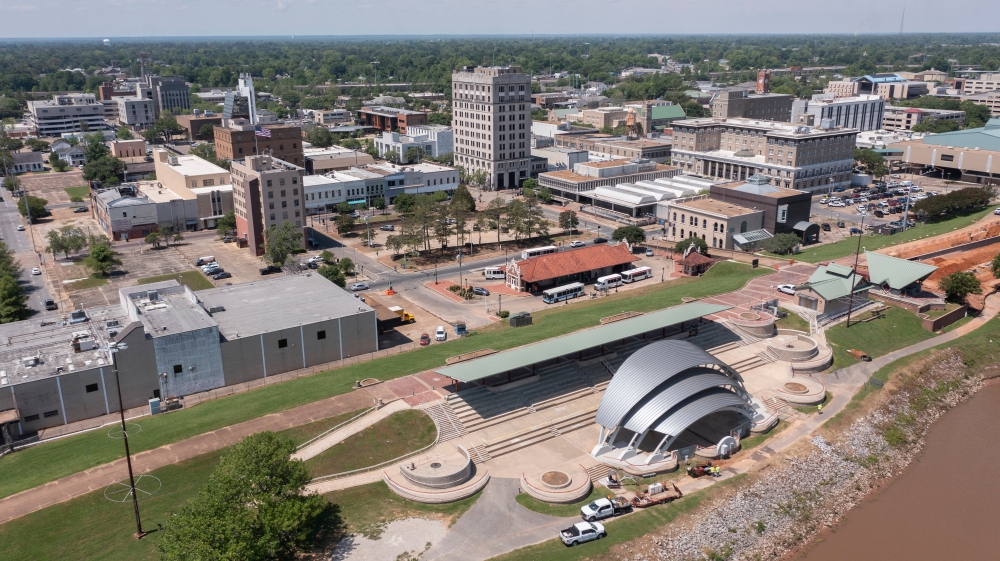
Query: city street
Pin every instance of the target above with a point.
(20, 243)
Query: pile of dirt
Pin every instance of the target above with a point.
(979, 231)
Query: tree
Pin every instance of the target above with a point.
(102, 259)
(405, 203)
(392, 156)
(631, 234)
(66, 240)
(394, 243)
(951, 204)
(936, 126)
(227, 224)
(414, 154)
(8, 263)
(280, 240)
(333, 274)
(379, 204)
(345, 223)
(207, 132)
(13, 300)
(207, 152)
(124, 133)
(568, 220)
(178, 237)
(254, 508)
(57, 163)
(105, 169)
(528, 187)
(36, 204)
(346, 266)
(462, 200)
(960, 284)
(495, 210)
(781, 244)
(994, 266)
(94, 147)
(320, 137)
(350, 143)
(681, 246)
(544, 194)
(872, 161)
(154, 238)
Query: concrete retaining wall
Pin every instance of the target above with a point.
(795, 355)
(443, 481)
(939, 323)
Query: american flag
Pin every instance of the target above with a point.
(261, 131)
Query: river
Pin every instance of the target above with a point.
(945, 505)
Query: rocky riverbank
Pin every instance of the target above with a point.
(781, 507)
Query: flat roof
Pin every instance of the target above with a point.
(715, 207)
(193, 165)
(527, 355)
(287, 301)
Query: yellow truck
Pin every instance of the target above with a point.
(407, 317)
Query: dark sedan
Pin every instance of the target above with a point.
(222, 275)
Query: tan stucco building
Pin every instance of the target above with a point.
(714, 221)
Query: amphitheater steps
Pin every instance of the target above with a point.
(775, 403)
(768, 356)
(598, 472)
(479, 453)
(449, 427)
(535, 435)
(747, 364)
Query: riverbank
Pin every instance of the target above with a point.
(797, 495)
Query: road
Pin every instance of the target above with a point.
(20, 243)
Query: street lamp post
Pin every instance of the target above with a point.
(113, 349)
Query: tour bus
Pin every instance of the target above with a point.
(637, 274)
(494, 273)
(538, 251)
(564, 292)
(607, 282)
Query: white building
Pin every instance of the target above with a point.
(135, 111)
(67, 113)
(862, 112)
(492, 120)
(425, 177)
(442, 137)
(905, 118)
(324, 192)
(434, 141)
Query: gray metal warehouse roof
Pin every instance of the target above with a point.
(568, 344)
(646, 369)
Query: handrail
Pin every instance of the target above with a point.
(328, 431)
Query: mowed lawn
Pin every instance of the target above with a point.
(83, 192)
(396, 435)
(35, 466)
(899, 328)
(192, 279)
(875, 242)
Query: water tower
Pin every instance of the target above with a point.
(107, 42)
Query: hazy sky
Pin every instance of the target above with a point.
(150, 18)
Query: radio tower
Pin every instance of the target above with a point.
(143, 58)
(903, 17)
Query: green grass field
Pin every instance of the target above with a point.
(192, 279)
(83, 192)
(89, 282)
(792, 321)
(573, 509)
(398, 434)
(899, 328)
(53, 460)
(874, 242)
(303, 433)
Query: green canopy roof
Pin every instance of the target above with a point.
(575, 342)
(897, 273)
(834, 281)
(667, 112)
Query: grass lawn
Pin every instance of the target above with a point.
(398, 434)
(89, 282)
(873, 242)
(752, 442)
(899, 328)
(621, 529)
(948, 308)
(40, 464)
(368, 508)
(810, 409)
(83, 192)
(192, 279)
(573, 509)
(303, 433)
(958, 323)
(792, 321)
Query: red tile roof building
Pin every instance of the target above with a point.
(572, 265)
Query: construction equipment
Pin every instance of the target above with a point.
(403, 314)
(860, 355)
(658, 493)
(699, 470)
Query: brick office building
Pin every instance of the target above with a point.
(390, 118)
(238, 141)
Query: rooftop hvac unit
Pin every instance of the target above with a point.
(153, 295)
(172, 160)
(30, 361)
(827, 124)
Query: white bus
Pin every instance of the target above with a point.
(494, 273)
(607, 282)
(564, 292)
(534, 252)
(637, 274)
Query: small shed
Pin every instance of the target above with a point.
(695, 264)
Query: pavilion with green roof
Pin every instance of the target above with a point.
(897, 276)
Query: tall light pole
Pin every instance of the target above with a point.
(113, 349)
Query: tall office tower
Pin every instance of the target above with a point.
(492, 122)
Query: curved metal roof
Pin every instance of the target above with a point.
(711, 401)
(675, 392)
(645, 370)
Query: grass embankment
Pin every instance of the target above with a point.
(303, 433)
(899, 328)
(751, 442)
(83, 192)
(873, 242)
(792, 321)
(41, 464)
(390, 438)
(572, 509)
(810, 409)
(192, 279)
(89, 282)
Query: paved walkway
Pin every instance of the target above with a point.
(316, 448)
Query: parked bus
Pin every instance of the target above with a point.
(637, 274)
(565, 292)
(607, 282)
(534, 252)
(494, 273)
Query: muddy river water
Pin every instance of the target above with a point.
(946, 504)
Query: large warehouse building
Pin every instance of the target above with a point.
(177, 343)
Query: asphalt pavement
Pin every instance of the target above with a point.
(20, 243)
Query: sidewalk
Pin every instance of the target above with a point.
(332, 439)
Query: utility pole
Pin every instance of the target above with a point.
(113, 349)
(854, 275)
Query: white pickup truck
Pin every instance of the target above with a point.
(582, 532)
(605, 508)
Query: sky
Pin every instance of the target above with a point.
(208, 18)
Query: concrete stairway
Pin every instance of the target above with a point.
(598, 472)
(775, 403)
(541, 433)
(448, 425)
(747, 364)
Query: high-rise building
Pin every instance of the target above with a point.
(239, 139)
(862, 112)
(739, 103)
(492, 122)
(67, 114)
(266, 192)
(169, 93)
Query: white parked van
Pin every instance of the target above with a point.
(610, 281)
(494, 273)
(204, 260)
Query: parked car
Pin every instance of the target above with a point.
(600, 240)
(440, 334)
(204, 261)
(270, 270)
(20, 228)
(359, 286)
(80, 209)
(996, 211)
(895, 176)
(222, 275)
(425, 339)
(311, 265)
(578, 243)
(855, 231)
(208, 266)
(36, 271)
(825, 226)
(50, 304)
(480, 291)
(582, 532)
(315, 259)
(228, 239)
(840, 224)
(649, 252)
(214, 271)
(838, 189)
(387, 228)
(786, 288)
